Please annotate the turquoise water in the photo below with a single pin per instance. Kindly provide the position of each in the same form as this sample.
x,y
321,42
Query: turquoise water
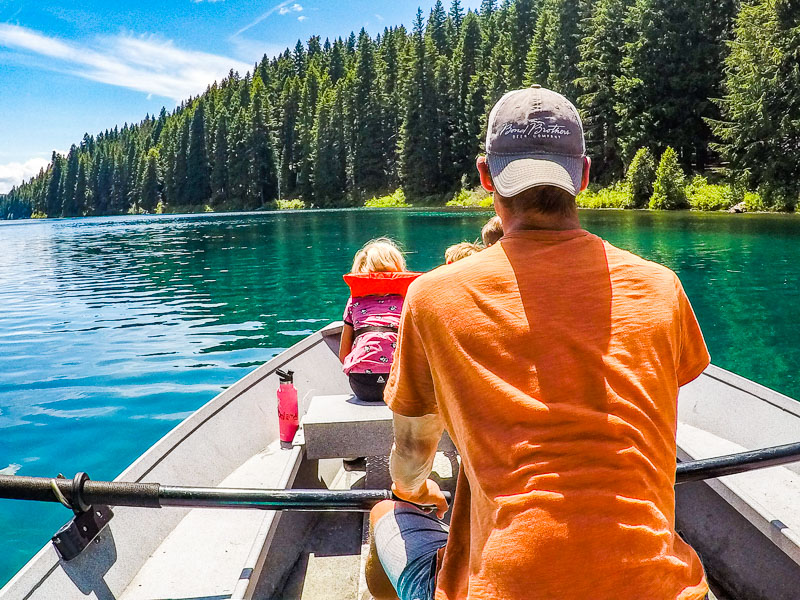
x,y
112,330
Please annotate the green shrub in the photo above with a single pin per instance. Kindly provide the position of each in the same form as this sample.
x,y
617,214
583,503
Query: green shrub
x,y
294,204
396,200
616,196
471,199
668,190
705,196
640,177
754,202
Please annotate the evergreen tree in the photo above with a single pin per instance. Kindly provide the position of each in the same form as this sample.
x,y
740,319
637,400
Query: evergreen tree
x,y
290,101
640,177
600,67
219,170
299,58
418,157
239,157
305,132
760,133
69,207
522,27
436,29
336,69
539,56
263,167
330,152
53,202
103,186
563,46
151,184
670,71
470,106
368,151
81,198
119,199
447,113
668,190
455,19
390,63
198,182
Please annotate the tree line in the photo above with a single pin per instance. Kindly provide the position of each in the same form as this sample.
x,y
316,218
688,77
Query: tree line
x,y
336,122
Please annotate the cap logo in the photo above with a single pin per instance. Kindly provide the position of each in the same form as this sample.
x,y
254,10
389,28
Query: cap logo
x,y
537,129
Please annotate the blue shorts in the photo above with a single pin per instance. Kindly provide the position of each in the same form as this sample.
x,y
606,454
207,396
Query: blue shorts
x,y
408,540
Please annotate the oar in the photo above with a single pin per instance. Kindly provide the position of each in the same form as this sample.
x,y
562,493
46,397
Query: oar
x,y
720,466
81,492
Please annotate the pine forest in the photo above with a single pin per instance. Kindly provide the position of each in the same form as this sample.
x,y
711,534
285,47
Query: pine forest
x,y
686,104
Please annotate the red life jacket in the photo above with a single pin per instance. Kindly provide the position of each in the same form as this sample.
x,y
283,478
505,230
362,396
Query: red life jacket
x,y
379,284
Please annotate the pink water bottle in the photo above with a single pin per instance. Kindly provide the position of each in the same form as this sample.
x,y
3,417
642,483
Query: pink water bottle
x,y
288,420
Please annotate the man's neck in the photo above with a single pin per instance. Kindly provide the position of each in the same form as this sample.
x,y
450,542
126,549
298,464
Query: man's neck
x,y
535,221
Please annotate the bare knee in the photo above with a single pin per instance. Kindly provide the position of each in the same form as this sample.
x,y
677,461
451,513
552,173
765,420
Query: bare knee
x,y
379,510
377,581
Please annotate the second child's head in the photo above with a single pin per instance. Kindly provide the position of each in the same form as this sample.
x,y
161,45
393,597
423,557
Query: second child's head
x,y
462,250
492,231
379,256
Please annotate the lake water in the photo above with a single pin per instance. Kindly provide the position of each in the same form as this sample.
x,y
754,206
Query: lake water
x,y
112,330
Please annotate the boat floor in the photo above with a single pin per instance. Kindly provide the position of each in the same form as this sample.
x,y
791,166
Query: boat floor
x,y
330,566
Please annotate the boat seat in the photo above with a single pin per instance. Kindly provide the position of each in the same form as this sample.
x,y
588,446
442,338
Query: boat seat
x,y
203,557
343,426
767,498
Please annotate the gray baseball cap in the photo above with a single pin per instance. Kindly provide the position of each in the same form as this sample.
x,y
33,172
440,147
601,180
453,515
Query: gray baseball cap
x,y
534,138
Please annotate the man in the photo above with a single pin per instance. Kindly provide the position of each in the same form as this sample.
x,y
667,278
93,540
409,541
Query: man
x,y
554,361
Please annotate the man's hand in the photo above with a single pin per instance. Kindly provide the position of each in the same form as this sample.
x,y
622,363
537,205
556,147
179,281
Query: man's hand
x,y
428,494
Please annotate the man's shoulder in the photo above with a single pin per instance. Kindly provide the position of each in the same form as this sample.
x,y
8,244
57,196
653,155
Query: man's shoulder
x,y
431,286
632,266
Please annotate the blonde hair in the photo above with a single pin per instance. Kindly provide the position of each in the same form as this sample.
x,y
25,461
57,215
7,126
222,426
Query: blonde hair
x,y
379,256
462,250
492,231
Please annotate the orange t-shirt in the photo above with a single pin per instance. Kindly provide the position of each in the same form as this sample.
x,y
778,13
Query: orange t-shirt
x,y
555,360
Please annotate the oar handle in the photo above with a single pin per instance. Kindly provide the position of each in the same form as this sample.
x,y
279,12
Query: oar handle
x,y
720,466
154,495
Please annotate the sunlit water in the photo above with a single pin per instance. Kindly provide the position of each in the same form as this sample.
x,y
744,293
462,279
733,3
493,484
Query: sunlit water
x,y
112,330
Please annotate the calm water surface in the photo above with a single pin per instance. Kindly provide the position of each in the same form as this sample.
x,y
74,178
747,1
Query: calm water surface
x,y
112,330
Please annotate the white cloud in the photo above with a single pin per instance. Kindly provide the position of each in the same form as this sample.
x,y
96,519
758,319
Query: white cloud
x,y
379,17
144,63
285,10
302,18
14,173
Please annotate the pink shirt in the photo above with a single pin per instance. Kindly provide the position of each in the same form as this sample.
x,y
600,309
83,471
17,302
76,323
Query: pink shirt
x,y
372,351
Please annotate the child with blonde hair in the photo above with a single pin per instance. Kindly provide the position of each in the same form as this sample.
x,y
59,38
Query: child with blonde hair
x,y
378,283
463,250
492,231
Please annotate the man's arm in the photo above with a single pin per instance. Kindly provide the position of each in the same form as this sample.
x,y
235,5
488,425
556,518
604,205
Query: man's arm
x,y
411,461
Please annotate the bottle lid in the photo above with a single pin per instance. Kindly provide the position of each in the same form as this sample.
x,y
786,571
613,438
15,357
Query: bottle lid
x,y
285,376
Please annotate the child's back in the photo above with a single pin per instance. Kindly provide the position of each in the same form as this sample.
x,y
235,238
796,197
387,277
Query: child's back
x,y
378,282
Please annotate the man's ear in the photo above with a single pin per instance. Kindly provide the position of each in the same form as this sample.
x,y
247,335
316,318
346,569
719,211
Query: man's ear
x,y
486,176
587,167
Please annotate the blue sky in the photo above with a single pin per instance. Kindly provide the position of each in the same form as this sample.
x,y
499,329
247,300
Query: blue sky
x,y
76,66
